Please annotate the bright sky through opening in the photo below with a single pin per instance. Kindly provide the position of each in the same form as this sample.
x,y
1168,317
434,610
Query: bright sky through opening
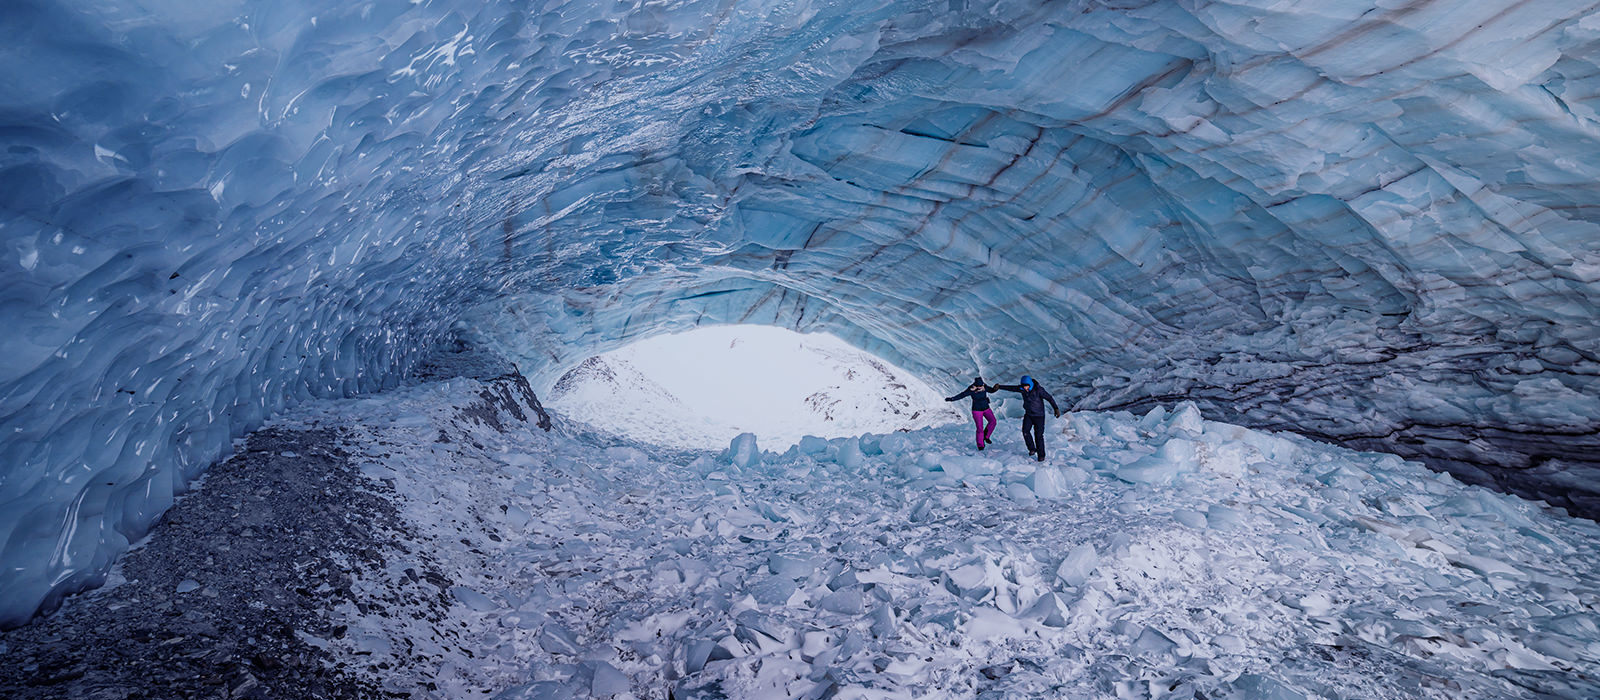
x,y
703,387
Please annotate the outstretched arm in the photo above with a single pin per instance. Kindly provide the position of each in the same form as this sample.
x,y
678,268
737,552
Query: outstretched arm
x,y
1052,401
960,396
1008,387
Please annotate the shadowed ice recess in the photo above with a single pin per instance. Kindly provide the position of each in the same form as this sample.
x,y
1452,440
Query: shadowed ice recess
x,y
1369,222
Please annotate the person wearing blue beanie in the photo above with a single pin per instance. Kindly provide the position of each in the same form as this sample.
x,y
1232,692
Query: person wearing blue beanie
x,y
1033,400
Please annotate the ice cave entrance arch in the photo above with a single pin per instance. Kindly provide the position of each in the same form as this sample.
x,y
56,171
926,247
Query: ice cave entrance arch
x,y
701,388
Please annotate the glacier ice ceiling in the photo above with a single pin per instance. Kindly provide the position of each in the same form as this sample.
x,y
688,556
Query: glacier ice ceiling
x,y
1371,222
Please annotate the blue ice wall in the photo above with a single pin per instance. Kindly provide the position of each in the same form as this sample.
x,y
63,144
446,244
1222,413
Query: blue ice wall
x,y
1368,221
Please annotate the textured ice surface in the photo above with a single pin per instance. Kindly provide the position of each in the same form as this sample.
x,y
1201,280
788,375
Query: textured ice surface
x,y
1371,221
1317,571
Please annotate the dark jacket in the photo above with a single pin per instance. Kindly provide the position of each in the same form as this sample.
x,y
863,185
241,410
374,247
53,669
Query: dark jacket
x,y
1032,399
979,394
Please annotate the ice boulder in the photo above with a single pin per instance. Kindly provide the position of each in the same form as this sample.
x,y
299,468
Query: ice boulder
x,y
962,466
742,451
1176,456
1220,517
1268,445
1227,458
849,454
894,443
1190,518
1079,565
1049,610
1084,426
1073,476
1185,421
812,445
1052,482
607,681
1020,492
1260,687
869,444
791,566
1155,420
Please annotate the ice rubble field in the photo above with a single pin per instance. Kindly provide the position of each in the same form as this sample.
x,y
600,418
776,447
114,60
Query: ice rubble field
x,y
1162,556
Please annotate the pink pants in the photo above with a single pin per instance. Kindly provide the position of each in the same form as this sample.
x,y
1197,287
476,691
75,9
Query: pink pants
x,y
979,417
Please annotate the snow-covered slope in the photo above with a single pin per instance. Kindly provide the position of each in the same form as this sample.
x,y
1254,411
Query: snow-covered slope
x,y
702,388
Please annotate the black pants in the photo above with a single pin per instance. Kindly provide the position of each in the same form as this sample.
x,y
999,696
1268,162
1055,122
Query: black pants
x,y
1033,434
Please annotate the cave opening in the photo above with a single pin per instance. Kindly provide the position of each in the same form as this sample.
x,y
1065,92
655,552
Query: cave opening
x,y
701,388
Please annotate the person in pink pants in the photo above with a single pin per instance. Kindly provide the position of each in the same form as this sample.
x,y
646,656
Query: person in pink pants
x,y
982,415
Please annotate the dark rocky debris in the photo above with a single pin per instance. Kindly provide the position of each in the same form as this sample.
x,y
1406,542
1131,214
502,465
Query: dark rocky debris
x,y
230,596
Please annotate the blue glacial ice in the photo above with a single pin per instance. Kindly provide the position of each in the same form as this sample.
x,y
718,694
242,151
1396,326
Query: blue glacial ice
x,y
1367,222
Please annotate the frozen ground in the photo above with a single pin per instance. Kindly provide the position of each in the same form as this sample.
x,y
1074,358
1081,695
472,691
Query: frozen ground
x,y
1154,557
701,388
1160,556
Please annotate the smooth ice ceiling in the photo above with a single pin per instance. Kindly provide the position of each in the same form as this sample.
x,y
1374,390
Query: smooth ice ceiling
x,y
1374,222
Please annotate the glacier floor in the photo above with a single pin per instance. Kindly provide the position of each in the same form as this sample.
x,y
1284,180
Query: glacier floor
x,y
1223,562
1151,557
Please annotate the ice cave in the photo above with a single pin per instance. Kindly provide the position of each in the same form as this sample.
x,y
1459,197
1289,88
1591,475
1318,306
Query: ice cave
x,y
1316,284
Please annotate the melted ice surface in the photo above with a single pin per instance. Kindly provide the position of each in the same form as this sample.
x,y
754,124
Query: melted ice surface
x,y
1367,220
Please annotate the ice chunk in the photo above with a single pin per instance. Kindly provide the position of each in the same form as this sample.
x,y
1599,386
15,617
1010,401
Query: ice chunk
x,y
557,639
1020,492
1221,517
961,466
1259,687
1190,518
848,601
607,680
1046,482
1049,610
1175,457
703,651
1152,642
742,451
894,443
870,444
1154,419
812,445
1486,565
850,455
1073,476
1227,458
474,600
883,622
792,566
972,580
1079,564
1185,422
991,624
1228,643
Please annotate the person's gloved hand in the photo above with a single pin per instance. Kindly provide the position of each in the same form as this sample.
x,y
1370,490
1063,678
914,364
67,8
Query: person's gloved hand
x,y
1058,413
